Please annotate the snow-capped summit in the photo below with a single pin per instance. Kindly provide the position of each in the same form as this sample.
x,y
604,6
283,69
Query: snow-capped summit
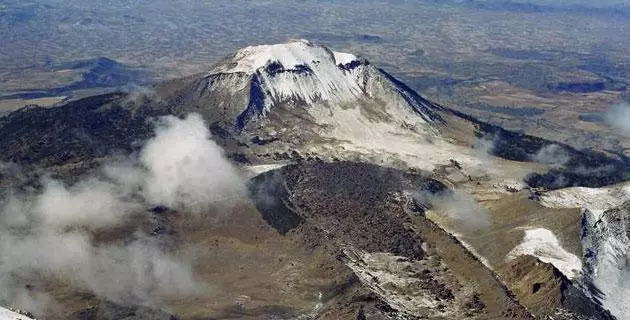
x,y
303,98
298,72
291,55
307,75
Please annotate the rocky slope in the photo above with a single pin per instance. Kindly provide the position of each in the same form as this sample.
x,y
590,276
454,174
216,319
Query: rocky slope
x,y
414,266
318,241
548,293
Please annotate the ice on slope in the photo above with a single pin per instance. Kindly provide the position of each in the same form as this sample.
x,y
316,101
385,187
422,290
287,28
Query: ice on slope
x,y
596,200
344,58
605,244
607,252
291,54
544,245
366,113
298,71
6,314
389,142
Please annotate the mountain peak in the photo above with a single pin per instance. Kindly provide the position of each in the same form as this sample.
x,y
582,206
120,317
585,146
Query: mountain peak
x,y
292,55
308,78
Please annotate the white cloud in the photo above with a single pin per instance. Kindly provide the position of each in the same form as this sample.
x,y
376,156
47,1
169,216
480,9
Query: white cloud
x,y
186,169
618,118
552,154
51,232
92,203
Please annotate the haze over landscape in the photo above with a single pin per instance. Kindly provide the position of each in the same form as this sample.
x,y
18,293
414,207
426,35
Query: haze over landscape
x,y
340,159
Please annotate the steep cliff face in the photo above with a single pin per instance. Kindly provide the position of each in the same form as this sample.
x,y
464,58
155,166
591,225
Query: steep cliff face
x,y
606,242
548,293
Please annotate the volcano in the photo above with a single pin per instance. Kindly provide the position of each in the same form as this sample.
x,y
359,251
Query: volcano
x,y
361,199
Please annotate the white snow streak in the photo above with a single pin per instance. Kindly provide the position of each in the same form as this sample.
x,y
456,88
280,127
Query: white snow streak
x,y
343,58
368,116
596,200
544,245
291,54
6,314
317,75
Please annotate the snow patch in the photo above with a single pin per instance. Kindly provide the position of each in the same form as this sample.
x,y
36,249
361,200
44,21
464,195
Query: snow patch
x,y
290,55
596,200
298,71
544,245
6,314
605,243
255,170
404,138
360,112
324,82
344,58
